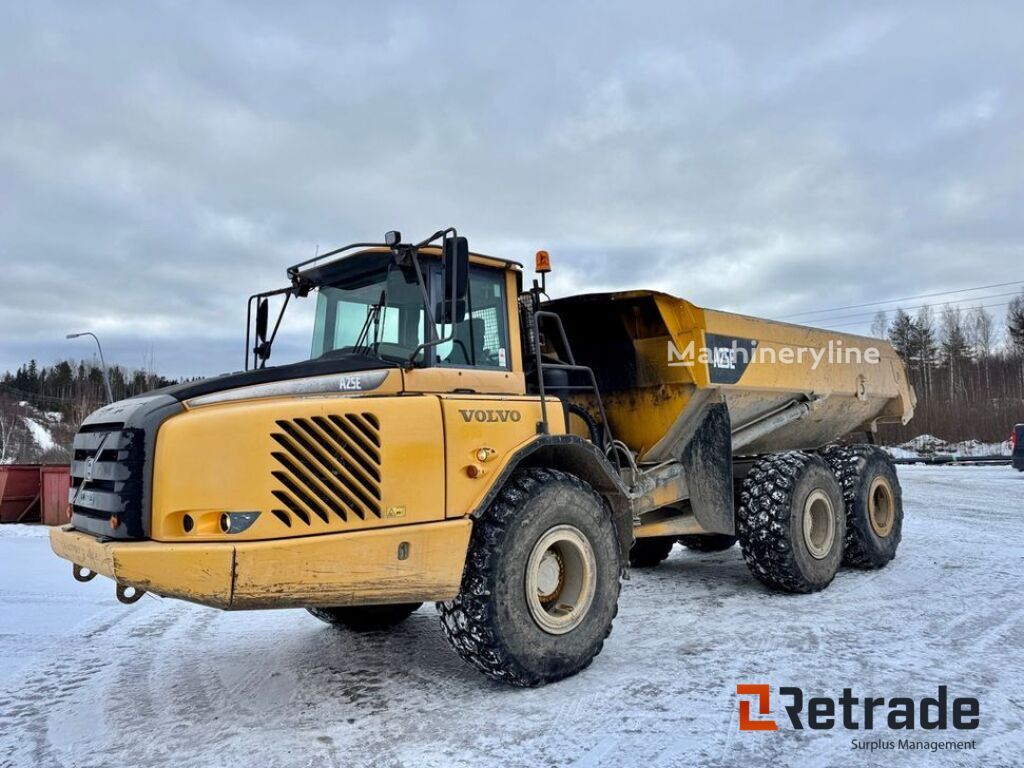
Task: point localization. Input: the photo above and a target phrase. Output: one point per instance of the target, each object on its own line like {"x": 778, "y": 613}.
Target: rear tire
{"x": 874, "y": 503}
{"x": 541, "y": 583}
{"x": 791, "y": 522}
{"x": 366, "y": 618}
{"x": 708, "y": 542}
{"x": 650, "y": 551}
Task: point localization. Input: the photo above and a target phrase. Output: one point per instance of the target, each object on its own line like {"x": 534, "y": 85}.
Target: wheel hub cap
{"x": 819, "y": 524}
{"x": 881, "y": 507}
{"x": 560, "y": 579}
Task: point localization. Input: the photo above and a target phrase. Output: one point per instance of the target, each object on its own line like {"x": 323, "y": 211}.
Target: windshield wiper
{"x": 372, "y": 320}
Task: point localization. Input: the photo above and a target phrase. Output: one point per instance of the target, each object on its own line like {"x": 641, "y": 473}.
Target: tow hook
{"x": 81, "y": 573}
{"x": 129, "y": 595}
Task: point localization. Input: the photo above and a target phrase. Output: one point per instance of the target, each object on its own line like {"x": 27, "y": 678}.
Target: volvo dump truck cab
{"x": 456, "y": 437}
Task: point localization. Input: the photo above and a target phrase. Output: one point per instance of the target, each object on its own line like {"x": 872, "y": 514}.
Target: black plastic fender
{"x": 582, "y": 459}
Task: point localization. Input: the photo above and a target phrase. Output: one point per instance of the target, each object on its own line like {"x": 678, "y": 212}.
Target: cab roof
{"x": 368, "y": 260}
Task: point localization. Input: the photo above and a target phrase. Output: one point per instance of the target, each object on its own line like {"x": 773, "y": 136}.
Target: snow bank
{"x": 930, "y": 445}
{"x": 23, "y": 531}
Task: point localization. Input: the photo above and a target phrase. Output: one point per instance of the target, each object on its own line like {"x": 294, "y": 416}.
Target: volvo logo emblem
{"x": 88, "y": 468}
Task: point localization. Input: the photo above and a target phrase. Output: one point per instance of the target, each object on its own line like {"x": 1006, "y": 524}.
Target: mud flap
{"x": 707, "y": 462}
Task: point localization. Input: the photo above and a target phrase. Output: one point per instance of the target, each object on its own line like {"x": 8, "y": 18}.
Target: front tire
{"x": 874, "y": 503}
{"x": 791, "y": 522}
{"x": 366, "y": 618}
{"x": 541, "y": 583}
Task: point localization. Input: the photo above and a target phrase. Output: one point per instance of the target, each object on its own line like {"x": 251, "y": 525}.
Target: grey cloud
{"x": 159, "y": 163}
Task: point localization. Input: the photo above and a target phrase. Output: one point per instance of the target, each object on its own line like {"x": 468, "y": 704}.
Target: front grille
{"x": 106, "y": 473}
{"x": 328, "y": 468}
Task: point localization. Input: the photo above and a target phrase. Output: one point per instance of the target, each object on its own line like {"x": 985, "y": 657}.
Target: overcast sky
{"x": 161, "y": 161}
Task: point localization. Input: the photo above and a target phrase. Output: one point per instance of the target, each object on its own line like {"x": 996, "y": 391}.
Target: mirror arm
{"x": 248, "y": 322}
{"x": 248, "y": 326}
{"x": 269, "y": 343}
{"x": 428, "y": 309}
{"x": 449, "y": 276}
{"x": 435, "y": 236}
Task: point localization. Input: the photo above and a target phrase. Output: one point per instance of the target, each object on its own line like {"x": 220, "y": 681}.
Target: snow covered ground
{"x": 85, "y": 681}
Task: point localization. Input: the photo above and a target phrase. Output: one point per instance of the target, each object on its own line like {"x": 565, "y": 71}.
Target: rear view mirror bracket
{"x": 455, "y": 276}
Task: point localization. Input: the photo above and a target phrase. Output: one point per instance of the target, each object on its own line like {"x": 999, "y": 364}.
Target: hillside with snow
{"x": 30, "y": 435}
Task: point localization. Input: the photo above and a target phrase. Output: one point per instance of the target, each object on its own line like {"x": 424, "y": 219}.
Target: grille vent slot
{"x": 107, "y": 469}
{"x": 327, "y": 469}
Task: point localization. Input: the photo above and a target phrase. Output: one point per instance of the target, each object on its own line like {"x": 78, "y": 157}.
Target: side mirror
{"x": 262, "y": 315}
{"x": 455, "y": 276}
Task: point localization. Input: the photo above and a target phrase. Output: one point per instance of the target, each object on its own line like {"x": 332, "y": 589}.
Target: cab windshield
{"x": 381, "y": 314}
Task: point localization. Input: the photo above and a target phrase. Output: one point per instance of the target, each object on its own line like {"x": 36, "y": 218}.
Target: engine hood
{"x": 324, "y": 374}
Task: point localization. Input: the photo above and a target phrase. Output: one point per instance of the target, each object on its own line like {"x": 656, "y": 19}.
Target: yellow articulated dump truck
{"x": 458, "y": 438}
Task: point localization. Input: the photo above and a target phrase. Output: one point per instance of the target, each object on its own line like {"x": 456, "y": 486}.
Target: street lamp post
{"x": 103, "y": 363}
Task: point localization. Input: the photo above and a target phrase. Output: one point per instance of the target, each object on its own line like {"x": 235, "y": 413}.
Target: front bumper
{"x": 405, "y": 564}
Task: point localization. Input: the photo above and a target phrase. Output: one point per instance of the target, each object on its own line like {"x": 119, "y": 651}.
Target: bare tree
{"x": 981, "y": 337}
{"x": 955, "y": 351}
{"x": 923, "y": 344}
{"x": 880, "y": 325}
{"x": 6, "y": 433}
{"x": 981, "y": 332}
{"x": 13, "y": 436}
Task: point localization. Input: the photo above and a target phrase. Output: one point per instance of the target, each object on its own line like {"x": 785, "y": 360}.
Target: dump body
{"x": 660, "y": 361}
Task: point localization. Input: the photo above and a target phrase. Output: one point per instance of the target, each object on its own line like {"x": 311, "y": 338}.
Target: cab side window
{"x": 481, "y": 339}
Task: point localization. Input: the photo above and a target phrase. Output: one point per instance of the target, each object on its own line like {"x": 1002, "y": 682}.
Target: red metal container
{"x": 56, "y": 483}
{"x": 20, "y": 493}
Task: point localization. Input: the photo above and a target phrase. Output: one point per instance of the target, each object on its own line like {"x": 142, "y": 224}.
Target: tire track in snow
{"x": 49, "y": 692}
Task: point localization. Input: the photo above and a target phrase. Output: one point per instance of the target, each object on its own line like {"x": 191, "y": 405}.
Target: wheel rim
{"x": 881, "y": 507}
{"x": 819, "y": 524}
{"x": 560, "y": 579}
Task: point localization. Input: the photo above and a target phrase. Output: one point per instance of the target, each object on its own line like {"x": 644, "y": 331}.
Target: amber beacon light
{"x": 543, "y": 262}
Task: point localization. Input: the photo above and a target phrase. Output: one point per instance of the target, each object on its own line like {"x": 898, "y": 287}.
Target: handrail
{"x": 293, "y": 270}
{"x": 568, "y": 367}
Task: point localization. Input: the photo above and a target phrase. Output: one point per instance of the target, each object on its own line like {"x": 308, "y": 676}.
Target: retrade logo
{"x": 940, "y": 712}
{"x": 763, "y": 696}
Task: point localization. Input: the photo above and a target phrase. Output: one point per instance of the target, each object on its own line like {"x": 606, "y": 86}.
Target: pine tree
{"x": 62, "y": 380}
{"x": 953, "y": 340}
{"x": 955, "y": 351}
{"x": 1015, "y": 324}
{"x": 901, "y": 334}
